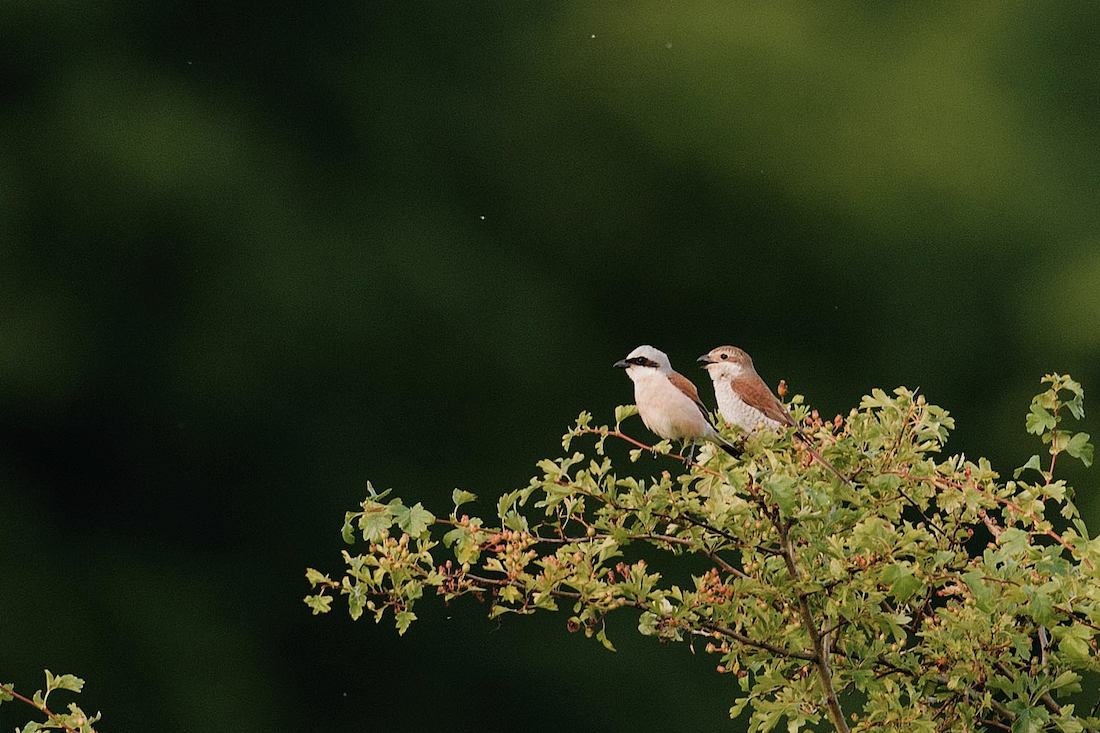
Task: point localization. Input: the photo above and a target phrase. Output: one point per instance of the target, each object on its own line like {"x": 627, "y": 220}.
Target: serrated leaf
{"x": 622, "y": 412}
{"x": 515, "y": 521}
{"x": 316, "y": 577}
{"x": 319, "y": 603}
{"x": 1028, "y": 721}
{"x": 1013, "y": 542}
{"x": 1032, "y": 463}
{"x": 983, "y": 595}
{"x": 1080, "y": 447}
{"x": 1041, "y": 608}
{"x": 64, "y": 682}
{"x": 374, "y": 525}
{"x": 356, "y": 603}
{"x": 403, "y": 620}
{"x": 781, "y": 489}
{"x": 413, "y": 520}
{"x": 1039, "y": 420}
{"x": 347, "y": 532}
{"x": 460, "y": 497}
{"x": 1074, "y": 645}
{"x": 903, "y": 584}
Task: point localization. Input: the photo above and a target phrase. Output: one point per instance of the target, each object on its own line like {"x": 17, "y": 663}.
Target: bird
{"x": 668, "y": 402}
{"x": 746, "y": 401}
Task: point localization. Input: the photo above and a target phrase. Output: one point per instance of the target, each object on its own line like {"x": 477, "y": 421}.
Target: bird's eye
{"x": 725, "y": 356}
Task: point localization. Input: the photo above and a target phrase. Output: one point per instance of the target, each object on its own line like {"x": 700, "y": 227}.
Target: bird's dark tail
{"x": 730, "y": 448}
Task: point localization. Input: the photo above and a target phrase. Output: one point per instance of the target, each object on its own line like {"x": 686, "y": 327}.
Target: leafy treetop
{"x": 926, "y": 595}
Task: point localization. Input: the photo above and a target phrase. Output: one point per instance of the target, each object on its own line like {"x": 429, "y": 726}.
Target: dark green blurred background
{"x": 252, "y": 255}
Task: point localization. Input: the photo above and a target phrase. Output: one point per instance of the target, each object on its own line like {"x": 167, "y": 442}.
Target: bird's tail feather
{"x": 730, "y": 448}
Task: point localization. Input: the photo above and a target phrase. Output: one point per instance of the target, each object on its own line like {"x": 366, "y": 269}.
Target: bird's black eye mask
{"x": 636, "y": 361}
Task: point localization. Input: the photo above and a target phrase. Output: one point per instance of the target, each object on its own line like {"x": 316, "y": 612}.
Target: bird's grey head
{"x": 645, "y": 357}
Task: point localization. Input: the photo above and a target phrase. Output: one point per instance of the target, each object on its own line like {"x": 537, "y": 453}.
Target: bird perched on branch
{"x": 746, "y": 401}
{"x": 668, "y": 402}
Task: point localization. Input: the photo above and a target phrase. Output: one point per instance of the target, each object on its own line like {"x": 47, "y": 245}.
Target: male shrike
{"x": 668, "y": 402}
{"x": 746, "y": 401}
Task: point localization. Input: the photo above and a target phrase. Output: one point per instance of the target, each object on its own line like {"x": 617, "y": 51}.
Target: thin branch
{"x": 628, "y": 439}
{"x": 639, "y": 605}
{"x": 749, "y": 641}
{"x": 1076, "y": 617}
{"x": 1001, "y": 500}
{"x": 1053, "y": 441}
{"x": 1048, "y": 701}
{"x": 821, "y": 660}
{"x": 924, "y": 516}
{"x": 41, "y": 708}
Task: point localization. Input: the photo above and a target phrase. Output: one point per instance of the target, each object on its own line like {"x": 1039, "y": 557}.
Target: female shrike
{"x": 746, "y": 401}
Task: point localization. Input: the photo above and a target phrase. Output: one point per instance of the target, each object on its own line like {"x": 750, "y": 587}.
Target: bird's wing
{"x": 682, "y": 383}
{"x": 756, "y": 394}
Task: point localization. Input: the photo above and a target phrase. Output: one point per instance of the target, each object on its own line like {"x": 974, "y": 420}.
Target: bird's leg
{"x": 690, "y": 453}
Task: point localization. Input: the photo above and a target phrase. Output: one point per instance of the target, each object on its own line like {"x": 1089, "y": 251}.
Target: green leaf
{"x": 316, "y": 577}
{"x": 903, "y": 584}
{"x": 403, "y": 620}
{"x": 1073, "y": 644}
{"x": 1032, "y": 463}
{"x": 515, "y": 521}
{"x": 782, "y": 492}
{"x": 1039, "y": 420}
{"x": 63, "y": 682}
{"x": 1028, "y": 721}
{"x": 983, "y": 594}
{"x": 413, "y": 520}
{"x": 1013, "y": 542}
{"x": 347, "y": 532}
{"x": 647, "y": 624}
{"x": 1080, "y": 447}
{"x": 460, "y": 497}
{"x": 622, "y": 412}
{"x": 319, "y": 603}
{"x": 601, "y": 636}
{"x": 375, "y": 524}
{"x": 1041, "y": 608}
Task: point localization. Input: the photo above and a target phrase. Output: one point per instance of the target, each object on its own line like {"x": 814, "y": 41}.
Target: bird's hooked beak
{"x": 622, "y": 364}
{"x": 707, "y": 360}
